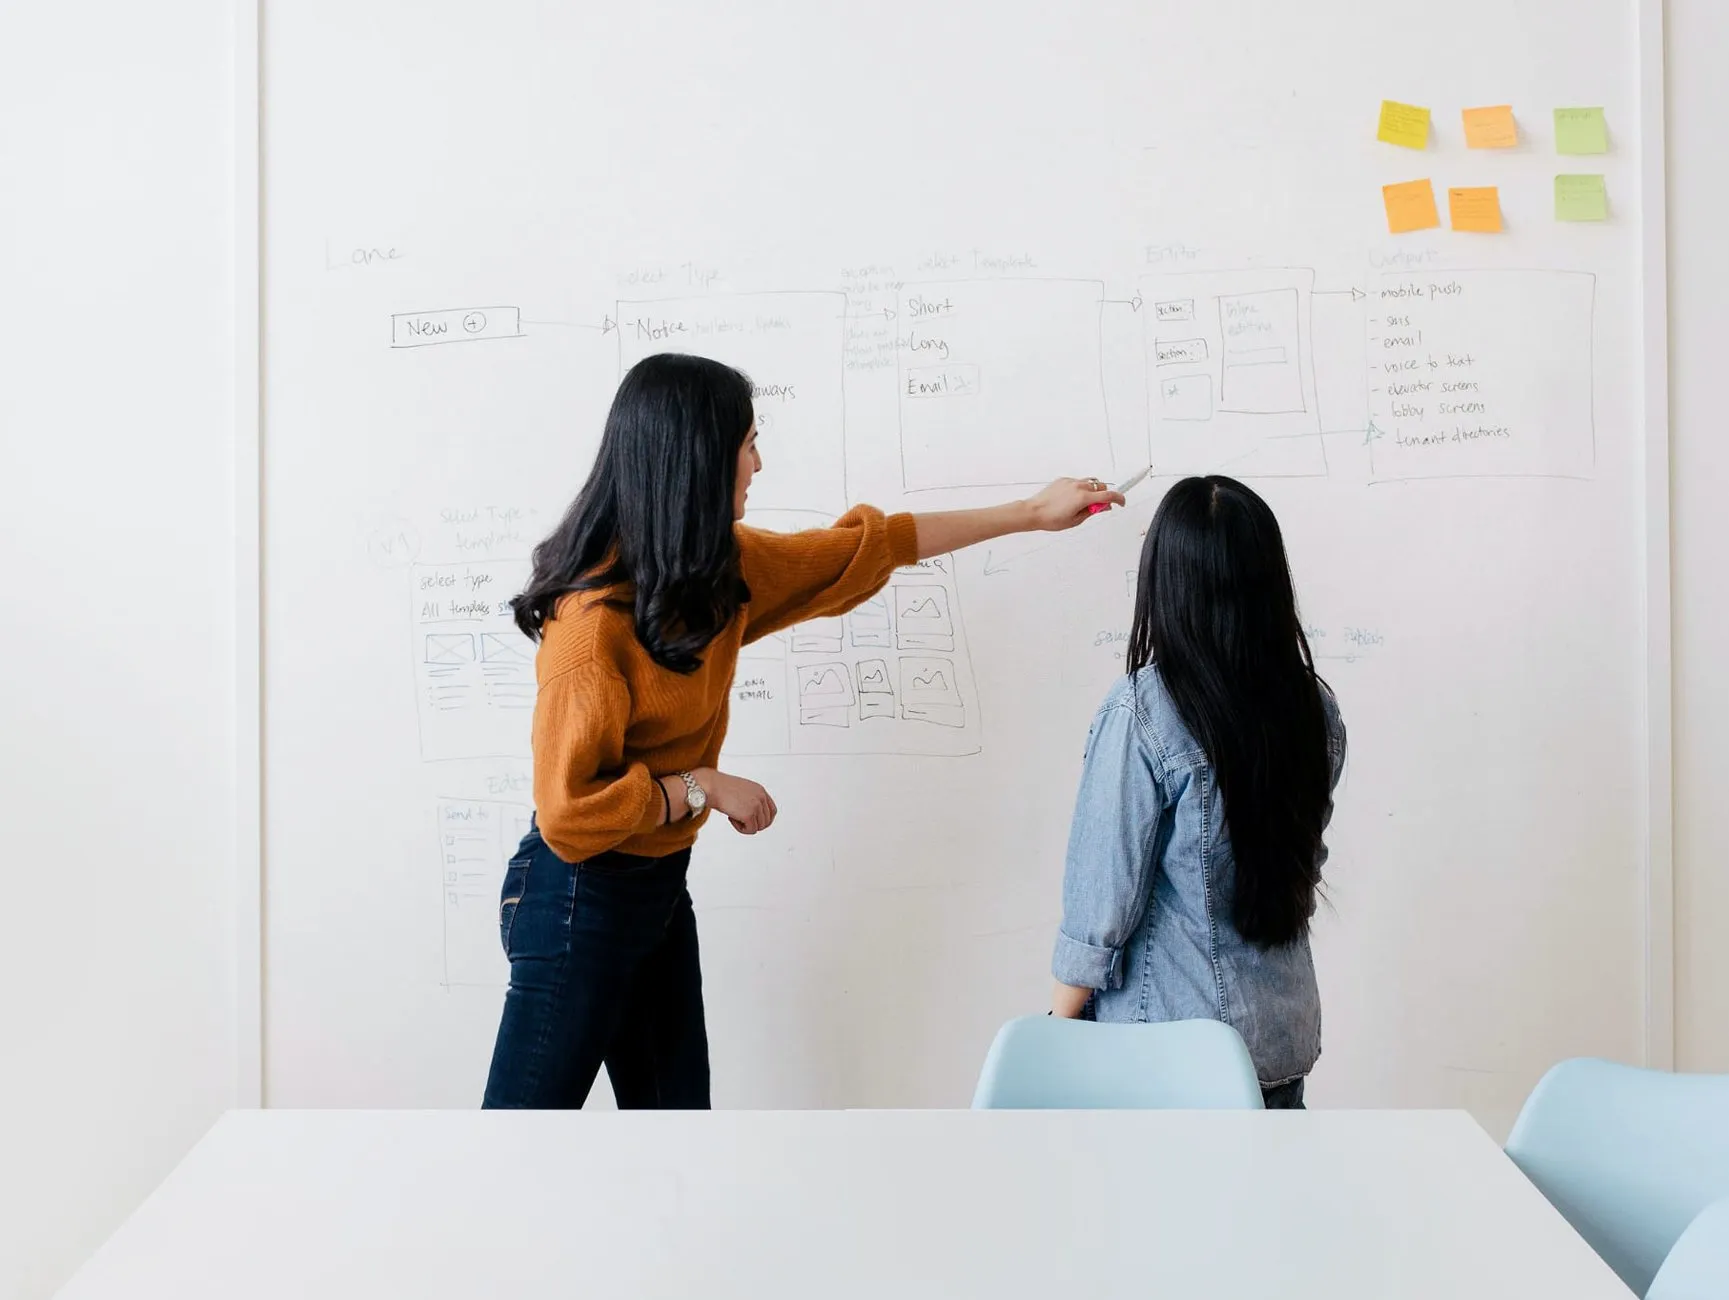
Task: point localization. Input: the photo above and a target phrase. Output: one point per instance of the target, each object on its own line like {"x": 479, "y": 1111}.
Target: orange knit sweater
{"x": 608, "y": 720}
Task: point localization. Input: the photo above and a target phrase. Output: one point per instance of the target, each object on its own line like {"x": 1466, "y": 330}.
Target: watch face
{"x": 695, "y": 796}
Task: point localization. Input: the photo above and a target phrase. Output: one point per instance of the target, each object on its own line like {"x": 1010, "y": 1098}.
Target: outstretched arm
{"x": 1060, "y": 506}
{"x": 823, "y": 572}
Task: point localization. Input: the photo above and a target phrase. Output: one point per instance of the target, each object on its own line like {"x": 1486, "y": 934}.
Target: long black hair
{"x": 656, "y": 514}
{"x": 1216, "y": 614}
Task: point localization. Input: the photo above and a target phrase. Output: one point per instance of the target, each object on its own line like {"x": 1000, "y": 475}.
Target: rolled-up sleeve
{"x": 1108, "y": 875}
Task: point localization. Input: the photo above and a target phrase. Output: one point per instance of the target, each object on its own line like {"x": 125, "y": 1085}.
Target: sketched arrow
{"x": 1371, "y": 433}
{"x": 1133, "y": 304}
{"x": 607, "y": 325}
{"x": 1357, "y": 295}
{"x": 992, "y": 569}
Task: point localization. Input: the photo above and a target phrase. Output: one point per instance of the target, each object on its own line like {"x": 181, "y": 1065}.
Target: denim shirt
{"x": 1147, "y": 890}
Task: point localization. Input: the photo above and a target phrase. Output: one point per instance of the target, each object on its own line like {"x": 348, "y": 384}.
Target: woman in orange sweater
{"x": 640, "y": 600}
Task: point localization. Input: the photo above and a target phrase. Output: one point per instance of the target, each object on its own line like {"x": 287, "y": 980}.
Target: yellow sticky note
{"x": 1581, "y": 198}
{"x": 1581, "y": 130}
{"x": 1477, "y": 209}
{"x": 1410, "y": 206}
{"x": 1404, "y": 124}
{"x": 1491, "y": 128}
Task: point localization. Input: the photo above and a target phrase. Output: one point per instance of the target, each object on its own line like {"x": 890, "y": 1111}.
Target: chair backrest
{"x": 1048, "y": 1063}
{"x": 1698, "y": 1266}
{"x": 1628, "y": 1156}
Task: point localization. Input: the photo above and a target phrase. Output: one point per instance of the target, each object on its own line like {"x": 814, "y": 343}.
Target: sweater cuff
{"x": 1086, "y": 965}
{"x": 654, "y": 809}
{"x": 903, "y": 540}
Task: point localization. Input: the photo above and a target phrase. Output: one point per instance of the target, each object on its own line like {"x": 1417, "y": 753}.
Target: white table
{"x": 890, "y": 1205}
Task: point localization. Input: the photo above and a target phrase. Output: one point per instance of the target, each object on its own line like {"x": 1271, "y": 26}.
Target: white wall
{"x": 115, "y": 723}
{"x": 1699, "y": 333}
{"x": 116, "y": 613}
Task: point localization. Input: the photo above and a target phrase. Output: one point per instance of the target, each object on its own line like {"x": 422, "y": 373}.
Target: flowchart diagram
{"x": 1230, "y": 372}
{"x": 1001, "y": 380}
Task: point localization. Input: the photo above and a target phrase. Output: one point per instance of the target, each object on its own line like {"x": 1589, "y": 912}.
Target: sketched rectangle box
{"x": 876, "y": 697}
{"x": 1186, "y": 397}
{"x": 1027, "y": 354}
{"x": 922, "y": 617}
{"x": 1257, "y": 357}
{"x": 1257, "y": 412}
{"x": 825, "y": 695}
{"x": 502, "y": 648}
{"x": 868, "y": 625}
{"x": 823, "y": 636}
{"x": 1179, "y": 352}
{"x": 1261, "y": 330}
{"x": 422, "y": 329}
{"x": 930, "y": 691}
{"x": 449, "y": 648}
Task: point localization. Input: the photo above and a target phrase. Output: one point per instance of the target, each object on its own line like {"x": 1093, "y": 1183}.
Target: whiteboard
{"x": 960, "y": 249}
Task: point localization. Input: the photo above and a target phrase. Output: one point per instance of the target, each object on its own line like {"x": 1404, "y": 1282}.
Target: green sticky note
{"x": 1581, "y": 130}
{"x": 1581, "y": 198}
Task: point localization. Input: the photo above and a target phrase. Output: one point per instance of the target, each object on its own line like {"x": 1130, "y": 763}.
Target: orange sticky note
{"x": 1410, "y": 206}
{"x": 1405, "y": 125}
{"x": 1476, "y": 209}
{"x": 1491, "y": 128}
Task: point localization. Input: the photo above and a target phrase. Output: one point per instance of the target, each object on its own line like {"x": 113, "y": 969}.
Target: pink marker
{"x": 1133, "y": 481}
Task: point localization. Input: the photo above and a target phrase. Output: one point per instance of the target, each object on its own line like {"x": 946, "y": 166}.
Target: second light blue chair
{"x": 1697, "y": 1268}
{"x": 1047, "y": 1063}
{"x": 1628, "y": 1156}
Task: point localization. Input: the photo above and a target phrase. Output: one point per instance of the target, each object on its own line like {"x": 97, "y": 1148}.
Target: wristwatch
{"x": 694, "y": 797}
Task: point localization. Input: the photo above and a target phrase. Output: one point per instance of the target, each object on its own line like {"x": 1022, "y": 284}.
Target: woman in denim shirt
{"x": 1194, "y": 860}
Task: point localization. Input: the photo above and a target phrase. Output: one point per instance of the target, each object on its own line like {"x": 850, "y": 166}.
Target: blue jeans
{"x": 603, "y": 970}
{"x": 1286, "y": 1096}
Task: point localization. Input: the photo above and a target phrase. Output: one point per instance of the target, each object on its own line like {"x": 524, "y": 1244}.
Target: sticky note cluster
{"x": 1411, "y": 205}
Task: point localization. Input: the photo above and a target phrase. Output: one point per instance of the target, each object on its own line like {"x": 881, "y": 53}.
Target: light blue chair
{"x": 1698, "y": 1267}
{"x": 1048, "y": 1063}
{"x": 1628, "y": 1156}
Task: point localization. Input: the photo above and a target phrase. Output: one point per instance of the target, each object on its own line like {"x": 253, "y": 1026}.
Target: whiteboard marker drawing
{"x": 893, "y": 676}
{"x": 420, "y": 329}
{"x": 1481, "y": 374}
{"x": 987, "y": 368}
{"x": 473, "y": 668}
{"x": 1230, "y": 372}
